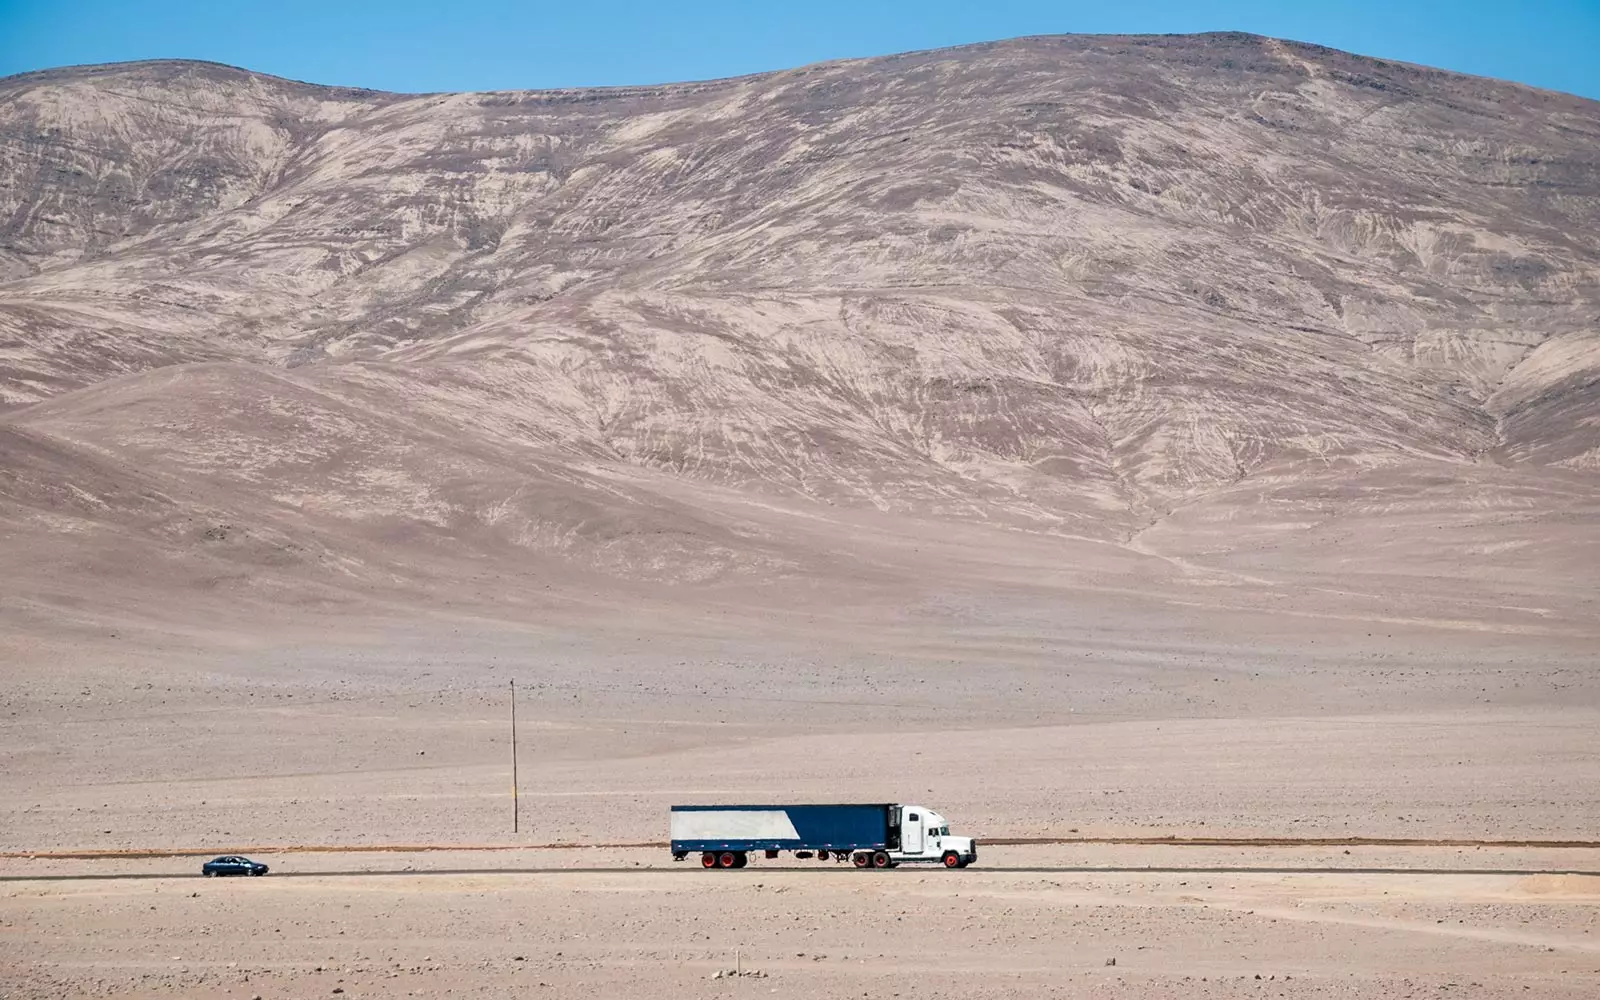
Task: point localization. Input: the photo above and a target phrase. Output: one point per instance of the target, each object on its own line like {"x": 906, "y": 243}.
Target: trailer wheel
{"x": 708, "y": 860}
{"x": 822, "y": 855}
{"x": 951, "y": 859}
{"x": 740, "y": 859}
{"x": 880, "y": 860}
{"x": 862, "y": 860}
{"x": 727, "y": 859}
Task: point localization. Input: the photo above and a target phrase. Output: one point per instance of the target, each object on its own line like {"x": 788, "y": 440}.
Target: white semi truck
{"x": 871, "y": 835}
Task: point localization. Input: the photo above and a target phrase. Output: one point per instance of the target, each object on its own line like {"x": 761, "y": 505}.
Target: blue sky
{"x": 408, "y": 45}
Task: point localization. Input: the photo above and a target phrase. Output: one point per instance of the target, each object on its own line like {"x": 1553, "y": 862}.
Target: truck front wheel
{"x": 951, "y": 859}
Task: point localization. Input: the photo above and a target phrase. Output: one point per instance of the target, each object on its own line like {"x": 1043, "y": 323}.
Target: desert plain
{"x": 1048, "y": 717}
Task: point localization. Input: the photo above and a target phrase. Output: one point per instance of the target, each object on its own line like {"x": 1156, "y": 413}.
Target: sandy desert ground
{"x": 1028, "y": 688}
{"x": 1079, "y": 922}
{"x": 1022, "y": 726}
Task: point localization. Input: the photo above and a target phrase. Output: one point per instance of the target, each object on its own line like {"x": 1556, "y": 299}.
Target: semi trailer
{"x": 870, "y": 835}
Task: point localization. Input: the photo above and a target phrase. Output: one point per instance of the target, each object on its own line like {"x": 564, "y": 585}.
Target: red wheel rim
{"x": 950, "y": 861}
{"x": 727, "y": 859}
{"x": 708, "y": 860}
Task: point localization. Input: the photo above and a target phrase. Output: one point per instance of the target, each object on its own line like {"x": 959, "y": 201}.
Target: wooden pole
{"x": 516, "y": 809}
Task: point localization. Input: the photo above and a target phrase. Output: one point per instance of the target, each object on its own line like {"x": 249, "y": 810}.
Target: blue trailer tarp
{"x": 839, "y": 827}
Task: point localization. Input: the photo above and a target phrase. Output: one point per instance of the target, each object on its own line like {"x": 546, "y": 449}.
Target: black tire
{"x": 861, "y": 860}
{"x": 951, "y": 859}
{"x": 880, "y": 859}
{"x": 740, "y": 859}
{"x": 727, "y": 859}
{"x": 822, "y": 855}
{"x": 708, "y": 859}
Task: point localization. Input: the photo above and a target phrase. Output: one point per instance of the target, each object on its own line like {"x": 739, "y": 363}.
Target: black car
{"x": 232, "y": 864}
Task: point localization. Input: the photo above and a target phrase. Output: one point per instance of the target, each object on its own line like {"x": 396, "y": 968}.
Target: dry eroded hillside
{"x": 1212, "y": 308}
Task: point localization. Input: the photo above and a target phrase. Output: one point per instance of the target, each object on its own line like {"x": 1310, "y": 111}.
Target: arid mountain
{"x": 1213, "y": 308}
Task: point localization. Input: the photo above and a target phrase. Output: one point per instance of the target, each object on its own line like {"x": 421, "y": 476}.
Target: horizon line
{"x": 1379, "y": 61}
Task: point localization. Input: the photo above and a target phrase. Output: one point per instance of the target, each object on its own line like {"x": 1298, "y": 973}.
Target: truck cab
{"x": 925, "y": 838}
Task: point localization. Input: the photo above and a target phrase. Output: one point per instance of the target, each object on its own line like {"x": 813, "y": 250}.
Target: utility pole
{"x": 516, "y": 809}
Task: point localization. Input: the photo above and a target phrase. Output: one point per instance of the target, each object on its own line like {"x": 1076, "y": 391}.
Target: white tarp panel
{"x": 750, "y": 824}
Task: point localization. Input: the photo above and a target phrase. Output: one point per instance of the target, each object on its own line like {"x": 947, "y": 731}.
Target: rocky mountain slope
{"x": 1217, "y": 304}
